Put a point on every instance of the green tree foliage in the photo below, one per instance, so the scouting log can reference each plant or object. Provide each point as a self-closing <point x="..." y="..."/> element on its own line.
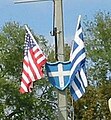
<point x="11" y="50"/>
<point x="67" y="50"/>
<point x="41" y="103"/>
<point x="94" y="104"/>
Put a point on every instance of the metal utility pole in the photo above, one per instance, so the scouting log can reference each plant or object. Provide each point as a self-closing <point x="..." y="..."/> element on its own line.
<point x="62" y="99"/>
<point x="58" y="24"/>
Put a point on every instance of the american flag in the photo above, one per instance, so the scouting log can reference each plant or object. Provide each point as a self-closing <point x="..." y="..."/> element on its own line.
<point x="34" y="59"/>
<point x="77" y="57"/>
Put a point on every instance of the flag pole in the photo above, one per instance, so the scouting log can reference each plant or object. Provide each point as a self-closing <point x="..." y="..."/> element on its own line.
<point x="26" y="27"/>
<point x="58" y="19"/>
<point x="62" y="95"/>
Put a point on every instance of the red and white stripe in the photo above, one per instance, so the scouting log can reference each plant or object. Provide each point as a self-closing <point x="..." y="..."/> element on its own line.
<point x="32" y="68"/>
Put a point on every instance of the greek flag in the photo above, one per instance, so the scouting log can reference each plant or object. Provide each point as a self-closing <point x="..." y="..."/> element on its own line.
<point x="58" y="74"/>
<point x="77" y="57"/>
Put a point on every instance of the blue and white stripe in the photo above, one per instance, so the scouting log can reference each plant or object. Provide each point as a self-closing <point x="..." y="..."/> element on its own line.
<point x="77" y="57"/>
